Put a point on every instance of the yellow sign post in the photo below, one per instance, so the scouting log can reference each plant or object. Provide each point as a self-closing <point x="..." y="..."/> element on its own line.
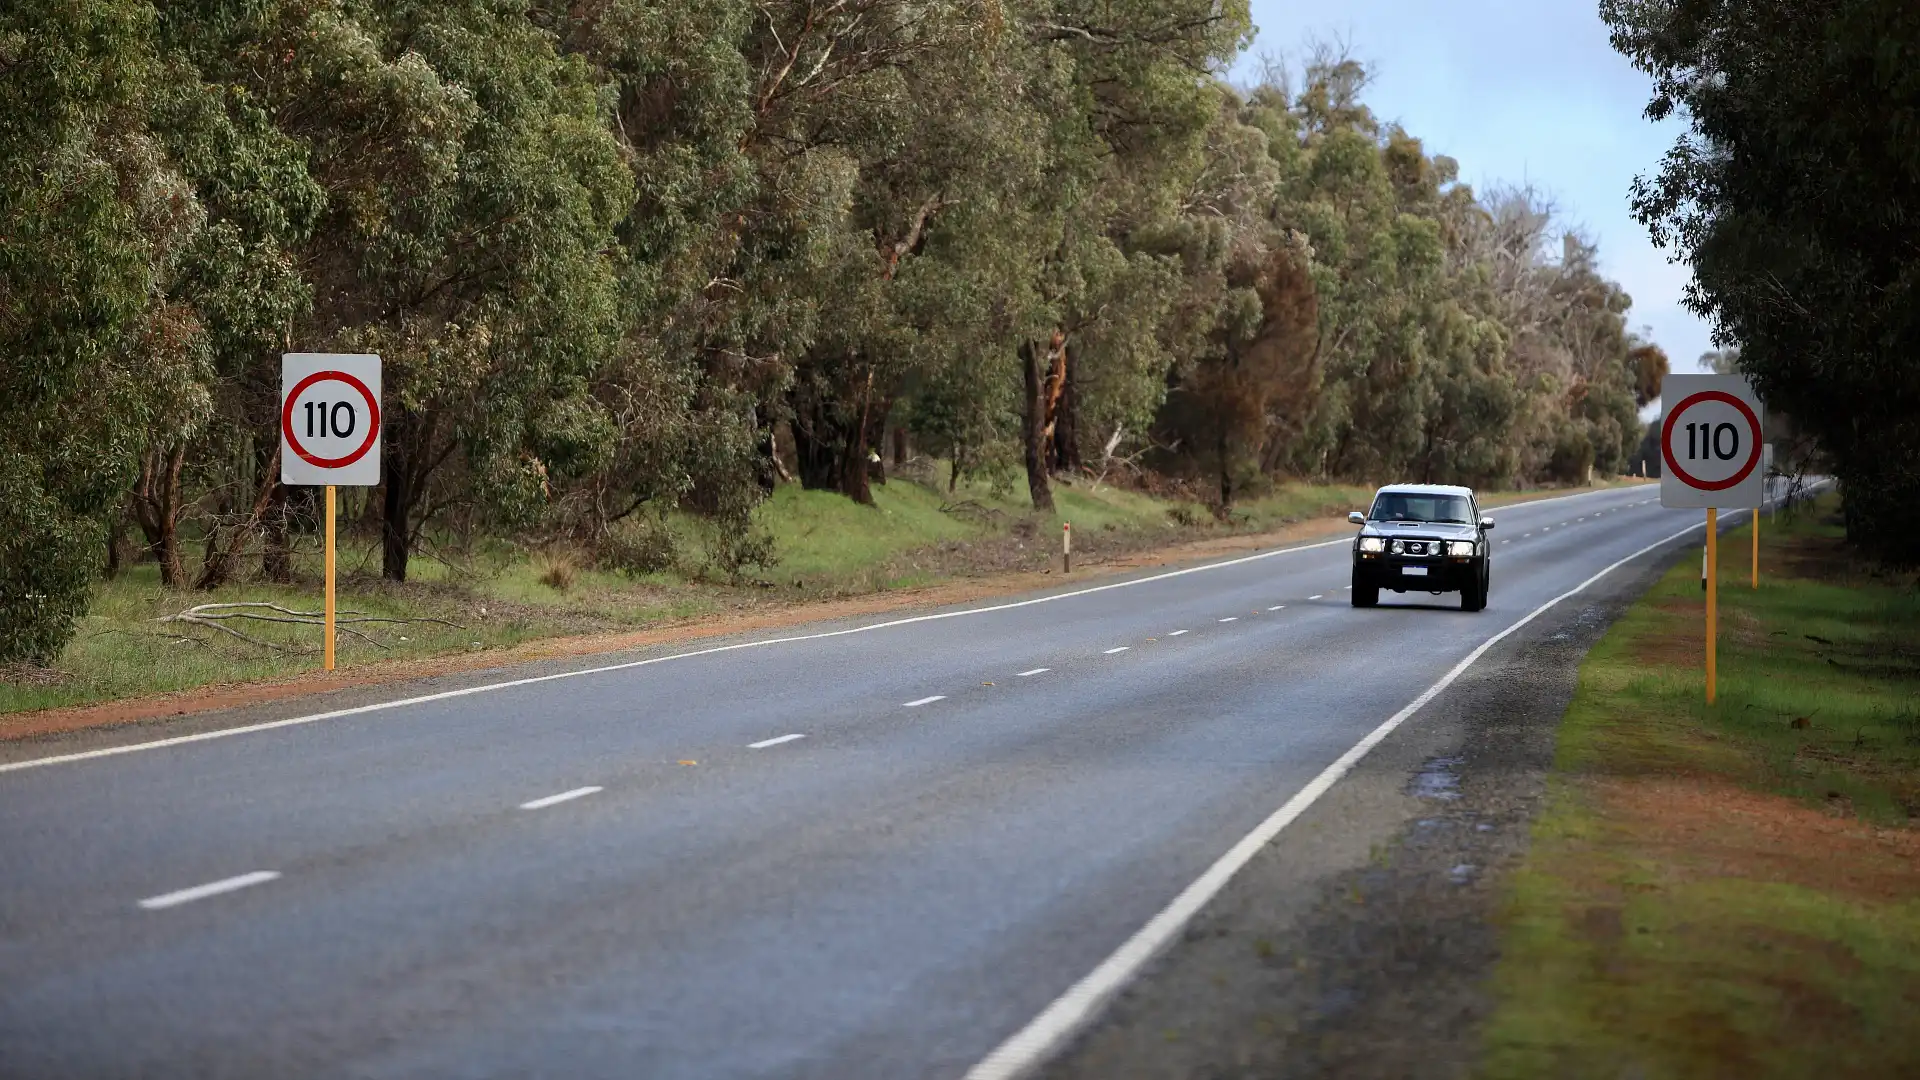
<point x="1713" y="597"/>
<point x="327" y="649"/>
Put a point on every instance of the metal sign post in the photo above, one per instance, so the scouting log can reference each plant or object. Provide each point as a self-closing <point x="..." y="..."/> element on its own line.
<point x="1711" y="449"/>
<point x="330" y="436"/>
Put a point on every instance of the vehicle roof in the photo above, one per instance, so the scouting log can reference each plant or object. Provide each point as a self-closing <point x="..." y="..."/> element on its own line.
<point x="1424" y="489"/>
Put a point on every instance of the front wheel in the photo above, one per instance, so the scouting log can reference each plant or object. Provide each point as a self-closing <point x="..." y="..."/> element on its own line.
<point x="1474" y="596"/>
<point x="1365" y="593"/>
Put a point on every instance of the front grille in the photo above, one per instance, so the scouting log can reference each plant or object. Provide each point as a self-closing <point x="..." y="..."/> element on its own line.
<point x="1421" y="547"/>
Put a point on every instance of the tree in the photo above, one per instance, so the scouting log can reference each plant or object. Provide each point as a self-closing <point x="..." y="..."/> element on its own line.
<point x="1791" y="196"/>
<point x="102" y="356"/>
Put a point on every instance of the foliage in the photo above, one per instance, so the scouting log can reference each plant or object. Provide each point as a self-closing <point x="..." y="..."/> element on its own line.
<point x="634" y="260"/>
<point x="1792" y="196"/>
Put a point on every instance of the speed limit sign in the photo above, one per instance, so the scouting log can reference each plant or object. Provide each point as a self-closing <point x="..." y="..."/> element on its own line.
<point x="330" y="419"/>
<point x="1711" y="443"/>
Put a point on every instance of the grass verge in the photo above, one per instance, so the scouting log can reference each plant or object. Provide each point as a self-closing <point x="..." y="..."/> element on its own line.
<point x="1730" y="890"/>
<point x="492" y="594"/>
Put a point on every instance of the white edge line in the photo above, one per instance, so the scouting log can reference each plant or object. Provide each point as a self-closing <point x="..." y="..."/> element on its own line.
<point x="764" y="743"/>
<point x="1035" y="671"/>
<point x="444" y="695"/>
<point x="1035" y="1043"/>
<point x="924" y="701"/>
<point x="565" y="796"/>
<point x="211" y="888"/>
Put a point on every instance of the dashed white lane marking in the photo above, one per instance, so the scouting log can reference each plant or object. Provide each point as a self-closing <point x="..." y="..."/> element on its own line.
<point x="1506" y="541"/>
<point x="924" y="701"/>
<point x="1316" y="597"/>
<point x="764" y="743"/>
<point x="1278" y="607"/>
<point x="1083" y="1002"/>
<point x="1231" y="618"/>
<point x="1523" y="536"/>
<point x="1176" y="633"/>
<point x="211" y="888"/>
<point x="1035" y="671"/>
<point x="565" y="796"/>
<point x="1122" y="648"/>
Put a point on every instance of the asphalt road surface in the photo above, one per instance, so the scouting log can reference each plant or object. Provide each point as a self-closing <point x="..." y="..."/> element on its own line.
<point x="867" y="854"/>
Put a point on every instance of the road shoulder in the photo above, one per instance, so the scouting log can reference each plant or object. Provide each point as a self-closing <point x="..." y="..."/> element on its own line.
<point x="1361" y="942"/>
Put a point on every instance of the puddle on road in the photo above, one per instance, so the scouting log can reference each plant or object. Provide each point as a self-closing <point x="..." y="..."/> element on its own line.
<point x="1437" y="780"/>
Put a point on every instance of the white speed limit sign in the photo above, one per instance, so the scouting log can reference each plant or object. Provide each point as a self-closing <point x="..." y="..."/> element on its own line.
<point x="1711" y="443"/>
<point x="330" y="419"/>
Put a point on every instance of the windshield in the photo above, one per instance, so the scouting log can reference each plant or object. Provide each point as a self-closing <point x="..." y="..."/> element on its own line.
<point x="1403" y="506"/>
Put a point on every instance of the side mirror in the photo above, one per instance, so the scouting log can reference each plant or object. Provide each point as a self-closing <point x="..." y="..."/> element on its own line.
<point x="1486" y="523"/>
<point x="1357" y="517"/>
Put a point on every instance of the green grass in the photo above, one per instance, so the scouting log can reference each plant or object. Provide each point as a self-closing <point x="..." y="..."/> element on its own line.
<point x="501" y="593"/>
<point x="1719" y="890"/>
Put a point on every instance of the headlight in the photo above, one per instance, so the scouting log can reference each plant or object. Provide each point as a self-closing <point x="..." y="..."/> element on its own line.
<point x="1397" y="547"/>
<point x="1373" y="544"/>
<point x="1459" y="548"/>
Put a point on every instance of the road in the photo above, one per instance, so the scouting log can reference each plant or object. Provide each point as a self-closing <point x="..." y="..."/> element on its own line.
<point x="867" y="854"/>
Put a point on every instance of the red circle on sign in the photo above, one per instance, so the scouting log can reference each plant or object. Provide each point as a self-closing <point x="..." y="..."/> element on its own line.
<point x="344" y="460"/>
<point x="1666" y="440"/>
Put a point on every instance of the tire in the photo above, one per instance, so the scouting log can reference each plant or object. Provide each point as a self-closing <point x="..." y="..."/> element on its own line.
<point x="1474" y="596"/>
<point x="1365" y="593"/>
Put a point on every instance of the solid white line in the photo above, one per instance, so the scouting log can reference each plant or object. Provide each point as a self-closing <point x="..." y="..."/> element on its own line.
<point x="1176" y="633"/>
<point x="1045" y="1034"/>
<point x="485" y="688"/>
<point x="565" y="796"/>
<point x="1122" y="648"/>
<point x="764" y="743"/>
<point x="1035" y="671"/>
<point x="924" y="701"/>
<point x="211" y="888"/>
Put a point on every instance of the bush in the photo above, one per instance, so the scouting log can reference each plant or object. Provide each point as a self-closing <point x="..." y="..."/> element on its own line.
<point x="46" y="566"/>
<point x="639" y="545"/>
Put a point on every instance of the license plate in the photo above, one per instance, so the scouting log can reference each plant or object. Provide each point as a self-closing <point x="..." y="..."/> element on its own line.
<point x="1414" y="571"/>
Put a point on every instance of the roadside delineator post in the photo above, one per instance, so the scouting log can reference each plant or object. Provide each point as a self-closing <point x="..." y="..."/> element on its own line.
<point x="1066" y="547"/>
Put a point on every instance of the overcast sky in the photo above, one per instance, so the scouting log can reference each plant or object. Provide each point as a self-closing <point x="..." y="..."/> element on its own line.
<point x="1517" y="90"/>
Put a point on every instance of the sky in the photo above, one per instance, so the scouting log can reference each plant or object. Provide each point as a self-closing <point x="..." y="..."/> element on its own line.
<point x="1516" y="91"/>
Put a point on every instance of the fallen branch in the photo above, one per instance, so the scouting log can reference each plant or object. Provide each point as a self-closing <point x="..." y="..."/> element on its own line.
<point x="215" y="617"/>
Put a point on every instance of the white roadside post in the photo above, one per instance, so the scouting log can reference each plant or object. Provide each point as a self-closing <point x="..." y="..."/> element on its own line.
<point x="1066" y="547"/>
<point x="1711" y="447"/>
<point x="330" y="437"/>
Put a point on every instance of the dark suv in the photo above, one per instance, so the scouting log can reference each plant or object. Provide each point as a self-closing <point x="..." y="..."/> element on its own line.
<point x="1424" y="538"/>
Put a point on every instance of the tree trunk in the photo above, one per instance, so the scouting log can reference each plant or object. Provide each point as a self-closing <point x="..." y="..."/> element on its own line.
<point x="220" y="560"/>
<point x="396" y="543"/>
<point x="276" y="551"/>
<point x="899" y="446"/>
<point x="156" y="507"/>
<point x="396" y="511"/>
<point x="116" y="542"/>
<point x="1226" y="478"/>
<point x="1066" y="441"/>
<point x="1038" y="484"/>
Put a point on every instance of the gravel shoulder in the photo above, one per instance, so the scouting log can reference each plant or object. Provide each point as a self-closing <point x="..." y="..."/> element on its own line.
<point x="1362" y="941"/>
